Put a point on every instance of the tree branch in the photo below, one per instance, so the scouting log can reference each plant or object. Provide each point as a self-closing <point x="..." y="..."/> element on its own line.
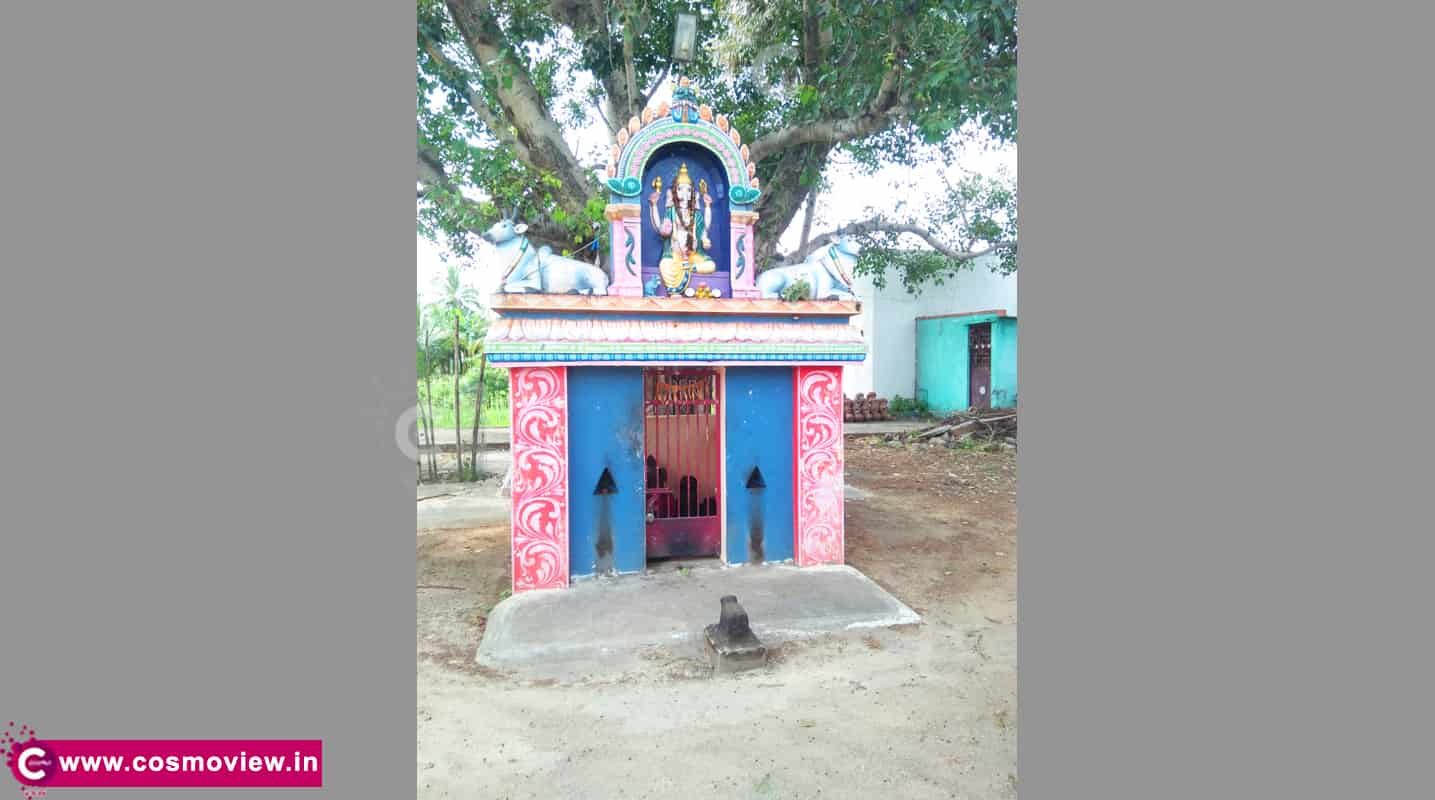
<point x="886" y="109"/>
<point x="586" y="20"/>
<point x="877" y="224"/>
<point x="599" y="108"/>
<point x="629" y="70"/>
<point x="830" y="132"/>
<point x="500" y="130"/>
<point x="431" y="176"/>
<point x="662" y="76"/>
<point x="521" y="102"/>
<point x="431" y="172"/>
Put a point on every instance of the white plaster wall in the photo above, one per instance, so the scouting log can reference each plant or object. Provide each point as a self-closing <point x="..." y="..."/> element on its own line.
<point x="858" y="377"/>
<point x="889" y="323"/>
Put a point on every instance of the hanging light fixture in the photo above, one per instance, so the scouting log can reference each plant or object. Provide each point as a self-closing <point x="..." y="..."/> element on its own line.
<point x="685" y="37"/>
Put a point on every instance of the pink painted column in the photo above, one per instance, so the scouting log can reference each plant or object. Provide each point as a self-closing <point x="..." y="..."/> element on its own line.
<point x="626" y="246"/>
<point x="539" y="436"/>
<point x="742" y="267"/>
<point x="817" y="464"/>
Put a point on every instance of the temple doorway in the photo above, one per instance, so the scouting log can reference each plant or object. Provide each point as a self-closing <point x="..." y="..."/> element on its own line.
<point x="682" y="433"/>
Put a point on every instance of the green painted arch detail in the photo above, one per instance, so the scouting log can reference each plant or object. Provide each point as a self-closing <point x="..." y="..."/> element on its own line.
<point x="640" y="148"/>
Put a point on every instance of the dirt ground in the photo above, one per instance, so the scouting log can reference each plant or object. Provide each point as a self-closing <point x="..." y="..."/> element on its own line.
<point x="925" y="711"/>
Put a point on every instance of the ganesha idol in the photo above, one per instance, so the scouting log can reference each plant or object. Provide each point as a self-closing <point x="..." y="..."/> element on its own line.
<point x="684" y="225"/>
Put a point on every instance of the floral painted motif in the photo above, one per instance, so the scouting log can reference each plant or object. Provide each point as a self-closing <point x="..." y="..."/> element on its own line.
<point x="513" y="330"/>
<point x="540" y="477"/>
<point x="818" y="455"/>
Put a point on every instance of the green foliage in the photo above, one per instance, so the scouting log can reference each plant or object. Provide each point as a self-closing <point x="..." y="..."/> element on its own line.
<point x="495" y="384"/>
<point x="976" y="214"/>
<point x="495" y="400"/>
<point x="915" y="74"/>
<point x="905" y="407"/>
<point x="957" y="63"/>
<point x="797" y="290"/>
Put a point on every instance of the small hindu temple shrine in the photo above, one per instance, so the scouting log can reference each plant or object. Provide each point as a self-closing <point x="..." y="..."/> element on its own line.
<point x="675" y="405"/>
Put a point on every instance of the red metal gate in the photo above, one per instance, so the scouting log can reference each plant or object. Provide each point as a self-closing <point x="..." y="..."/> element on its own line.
<point x="980" y="353"/>
<point x="684" y="482"/>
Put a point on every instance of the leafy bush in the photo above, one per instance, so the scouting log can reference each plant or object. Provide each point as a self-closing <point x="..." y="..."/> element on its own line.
<point x="798" y="290"/>
<point x="907" y="407"/>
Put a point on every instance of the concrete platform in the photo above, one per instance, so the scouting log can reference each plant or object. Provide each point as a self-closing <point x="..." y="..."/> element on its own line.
<point x="884" y="427"/>
<point x="613" y="619"/>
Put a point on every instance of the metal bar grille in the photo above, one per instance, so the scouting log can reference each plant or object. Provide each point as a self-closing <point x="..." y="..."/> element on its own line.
<point x="981" y="345"/>
<point x="680" y="411"/>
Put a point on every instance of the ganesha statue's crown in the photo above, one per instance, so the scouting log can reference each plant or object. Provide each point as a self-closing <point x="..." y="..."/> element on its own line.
<point x="683" y="176"/>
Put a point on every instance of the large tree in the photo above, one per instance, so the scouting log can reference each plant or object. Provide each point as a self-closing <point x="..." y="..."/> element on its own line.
<point x="503" y="87"/>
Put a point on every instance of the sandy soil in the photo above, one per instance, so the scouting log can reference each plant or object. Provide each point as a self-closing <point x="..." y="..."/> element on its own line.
<point x="925" y="711"/>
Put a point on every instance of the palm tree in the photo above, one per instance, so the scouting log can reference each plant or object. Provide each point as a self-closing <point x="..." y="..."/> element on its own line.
<point x="458" y="302"/>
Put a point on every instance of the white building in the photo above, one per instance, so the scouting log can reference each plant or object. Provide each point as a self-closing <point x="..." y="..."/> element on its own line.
<point x="889" y="321"/>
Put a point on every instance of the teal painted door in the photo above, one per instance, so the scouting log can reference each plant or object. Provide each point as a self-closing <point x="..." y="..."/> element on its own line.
<point x="942" y="370"/>
<point x="1004" y="363"/>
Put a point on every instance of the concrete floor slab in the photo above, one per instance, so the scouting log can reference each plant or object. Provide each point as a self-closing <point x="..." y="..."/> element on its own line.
<point x="883" y="427"/>
<point x="614" y="618"/>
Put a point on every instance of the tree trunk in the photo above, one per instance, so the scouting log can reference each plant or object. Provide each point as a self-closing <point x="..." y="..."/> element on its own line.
<point x="457" y="401"/>
<point x="478" y="413"/>
<point x="428" y="415"/>
<point x="807" y="221"/>
<point x="628" y="72"/>
<point x="782" y="197"/>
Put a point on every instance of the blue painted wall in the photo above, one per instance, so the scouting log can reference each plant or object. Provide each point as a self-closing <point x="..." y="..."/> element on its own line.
<point x="1004" y="363"/>
<point x="605" y="430"/>
<point x="943" y="370"/>
<point x="759" y="434"/>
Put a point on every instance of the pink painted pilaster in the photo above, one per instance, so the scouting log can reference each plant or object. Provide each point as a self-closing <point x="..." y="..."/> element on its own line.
<point x="539" y="436"/>
<point x="742" y="266"/>
<point x="817" y="467"/>
<point x="626" y="246"/>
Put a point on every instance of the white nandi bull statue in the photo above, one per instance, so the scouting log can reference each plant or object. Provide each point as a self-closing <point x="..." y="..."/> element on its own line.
<point x="828" y="271"/>
<point x="529" y="269"/>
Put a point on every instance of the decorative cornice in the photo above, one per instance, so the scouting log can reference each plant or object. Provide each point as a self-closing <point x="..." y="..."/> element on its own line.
<point x="613" y="304"/>
<point x="744" y="217"/>
<point x="697" y="335"/>
<point x="511" y="359"/>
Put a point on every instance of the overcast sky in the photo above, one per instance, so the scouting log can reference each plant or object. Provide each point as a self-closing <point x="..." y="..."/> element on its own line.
<point x="848" y="197"/>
